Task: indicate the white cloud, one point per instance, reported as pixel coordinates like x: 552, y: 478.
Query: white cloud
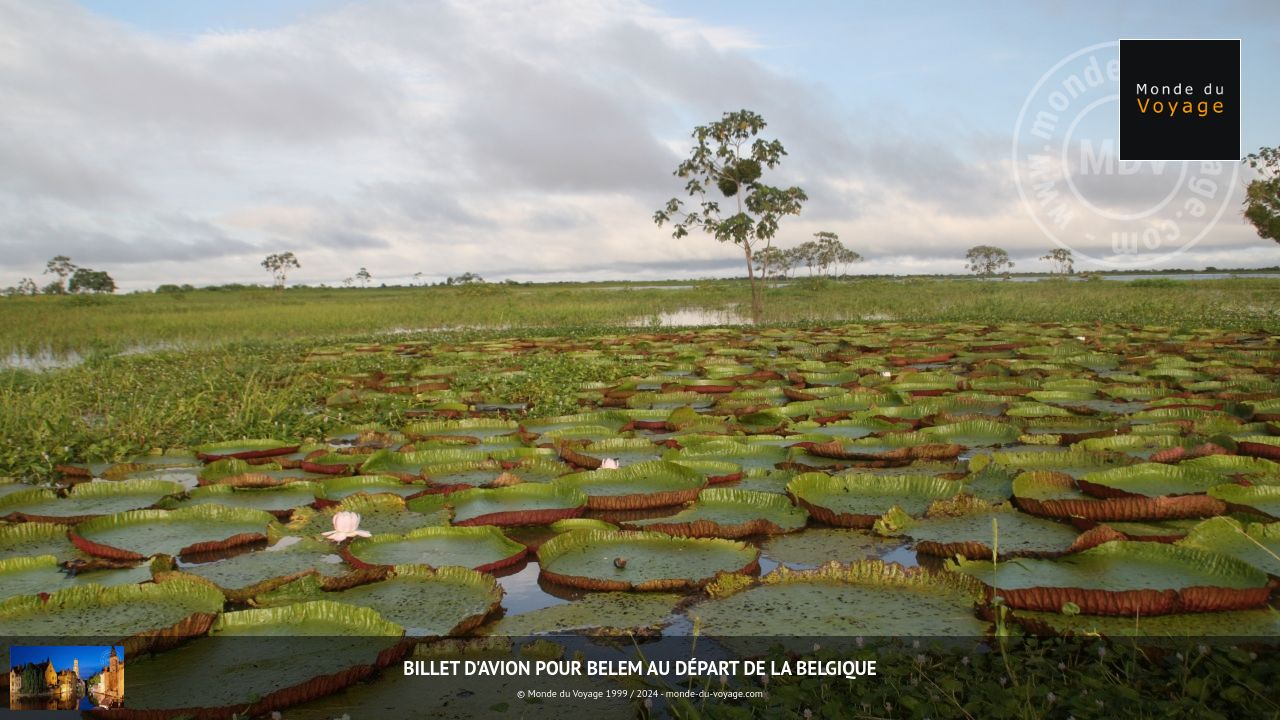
x: 518, y: 140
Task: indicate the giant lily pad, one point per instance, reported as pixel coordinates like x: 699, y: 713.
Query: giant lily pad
x: 244, y: 449
x: 410, y: 465
x: 1255, y: 543
x: 379, y: 514
x: 617, y: 560
x: 972, y: 529
x: 31, y: 538
x: 1125, y: 578
x: 974, y: 433
x: 819, y: 546
x: 729, y: 513
x: 138, y: 534
x: 523, y: 504
x: 1263, y: 499
x: 340, y: 487
x: 482, y: 548
x: 244, y: 575
x: 1148, y: 480
x: 42, y: 574
x: 857, y: 500
x: 279, y: 500
x: 330, y: 646
x: 425, y: 601
x: 174, y: 609
x: 636, y: 487
x: 1056, y: 495
x: 87, y: 500
x: 604, y: 613
x: 869, y: 598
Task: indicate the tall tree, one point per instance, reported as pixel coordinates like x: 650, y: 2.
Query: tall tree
x: 94, y: 281
x: 364, y: 277
x: 1262, y: 196
x: 62, y: 267
x: 279, y: 265
x: 1060, y: 261
x: 987, y: 260
x: 729, y: 156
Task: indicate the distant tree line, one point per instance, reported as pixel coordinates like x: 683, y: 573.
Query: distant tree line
x: 69, y: 278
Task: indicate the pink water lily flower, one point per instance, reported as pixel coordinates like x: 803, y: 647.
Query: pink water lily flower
x: 346, y: 525
x: 609, y: 464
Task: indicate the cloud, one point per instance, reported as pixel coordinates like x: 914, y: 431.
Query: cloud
x: 509, y: 139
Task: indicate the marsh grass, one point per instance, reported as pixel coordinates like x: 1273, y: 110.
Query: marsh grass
x: 32, y: 325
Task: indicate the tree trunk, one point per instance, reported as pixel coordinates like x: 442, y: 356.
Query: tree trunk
x: 757, y: 302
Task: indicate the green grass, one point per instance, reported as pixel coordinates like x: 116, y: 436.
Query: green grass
x: 85, y: 325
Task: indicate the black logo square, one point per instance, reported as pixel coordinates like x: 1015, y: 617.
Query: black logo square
x: 1180, y: 100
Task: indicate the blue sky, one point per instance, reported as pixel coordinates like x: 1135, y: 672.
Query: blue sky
x: 93, y: 658
x: 183, y: 141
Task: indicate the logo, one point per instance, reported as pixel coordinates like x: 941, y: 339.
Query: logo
x: 1066, y: 163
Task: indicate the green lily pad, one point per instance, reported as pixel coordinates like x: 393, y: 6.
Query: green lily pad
x: 605, y: 613
x: 244, y: 575
x: 138, y: 534
x: 1264, y: 499
x: 411, y: 465
x: 88, y: 499
x: 1255, y: 543
x: 819, y: 546
x: 973, y: 531
x: 523, y: 504
x: 869, y: 598
x: 380, y: 514
x: 31, y: 538
x: 482, y: 548
x: 31, y: 575
x: 425, y: 601
x: 338, y: 488
x: 244, y: 449
x: 120, y: 611
x: 1149, y: 480
x: 974, y: 433
x: 271, y: 499
x: 636, y: 487
x: 1125, y: 578
x: 729, y: 513
x: 857, y: 500
x: 332, y: 645
x: 603, y: 560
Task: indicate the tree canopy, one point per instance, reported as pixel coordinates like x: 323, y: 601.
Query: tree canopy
x: 1262, y: 196
x: 987, y: 260
x: 729, y: 156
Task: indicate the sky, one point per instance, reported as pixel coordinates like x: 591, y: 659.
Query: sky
x: 182, y: 142
x: 93, y: 658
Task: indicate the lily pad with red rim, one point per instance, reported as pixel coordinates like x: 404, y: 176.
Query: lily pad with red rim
x: 1125, y: 578
x: 636, y: 487
x: 425, y: 601
x: 483, y: 549
x: 522, y: 504
x: 729, y: 513
x: 244, y: 449
x: 648, y: 561
x: 138, y: 534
